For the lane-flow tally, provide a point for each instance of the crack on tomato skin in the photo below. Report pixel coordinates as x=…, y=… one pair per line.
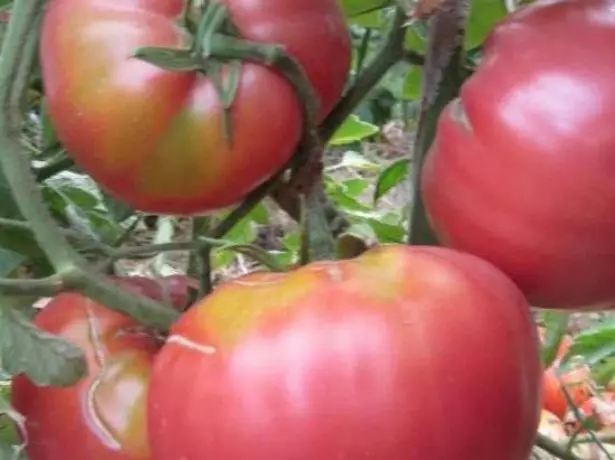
x=459, y=114
x=94, y=333
x=100, y=356
x=192, y=345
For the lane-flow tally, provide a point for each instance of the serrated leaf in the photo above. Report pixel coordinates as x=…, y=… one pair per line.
x=353, y=130
x=46, y=359
x=391, y=177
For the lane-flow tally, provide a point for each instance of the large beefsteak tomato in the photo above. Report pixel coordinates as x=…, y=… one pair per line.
x=404, y=352
x=156, y=138
x=102, y=416
x=522, y=169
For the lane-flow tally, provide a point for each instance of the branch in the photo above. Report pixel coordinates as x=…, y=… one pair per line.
x=18, y=55
x=44, y=287
x=443, y=74
x=67, y=232
x=391, y=53
x=554, y=448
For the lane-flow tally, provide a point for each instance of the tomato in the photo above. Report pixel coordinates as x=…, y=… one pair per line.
x=156, y=138
x=360, y=358
x=521, y=170
x=576, y=382
x=102, y=416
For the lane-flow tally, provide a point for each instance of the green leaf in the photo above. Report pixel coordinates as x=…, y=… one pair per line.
x=413, y=79
x=11, y=446
x=119, y=210
x=9, y=262
x=387, y=233
x=595, y=344
x=556, y=324
x=484, y=15
x=355, y=187
x=372, y=20
x=357, y=161
x=416, y=37
x=354, y=8
x=392, y=176
x=16, y=240
x=604, y=371
x=43, y=357
x=353, y=130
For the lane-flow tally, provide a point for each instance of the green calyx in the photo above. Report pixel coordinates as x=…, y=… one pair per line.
x=218, y=51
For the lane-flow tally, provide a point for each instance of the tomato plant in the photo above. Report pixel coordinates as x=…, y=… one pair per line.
x=172, y=289
x=156, y=138
x=362, y=358
x=521, y=170
x=102, y=416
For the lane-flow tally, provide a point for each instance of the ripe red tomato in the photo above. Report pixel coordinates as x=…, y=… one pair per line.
x=155, y=138
x=576, y=382
x=521, y=170
x=102, y=416
x=361, y=358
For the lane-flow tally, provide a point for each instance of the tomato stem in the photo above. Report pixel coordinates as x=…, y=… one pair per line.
x=443, y=74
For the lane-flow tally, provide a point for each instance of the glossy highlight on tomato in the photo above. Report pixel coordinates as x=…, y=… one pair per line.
x=156, y=138
x=521, y=170
x=102, y=416
x=378, y=357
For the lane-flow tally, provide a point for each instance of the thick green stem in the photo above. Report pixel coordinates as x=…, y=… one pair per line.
x=443, y=74
x=96, y=246
x=43, y=287
x=18, y=55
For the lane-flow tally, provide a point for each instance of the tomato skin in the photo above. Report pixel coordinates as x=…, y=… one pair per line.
x=360, y=358
x=102, y=416
x=521, y=170
x=155, y=138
